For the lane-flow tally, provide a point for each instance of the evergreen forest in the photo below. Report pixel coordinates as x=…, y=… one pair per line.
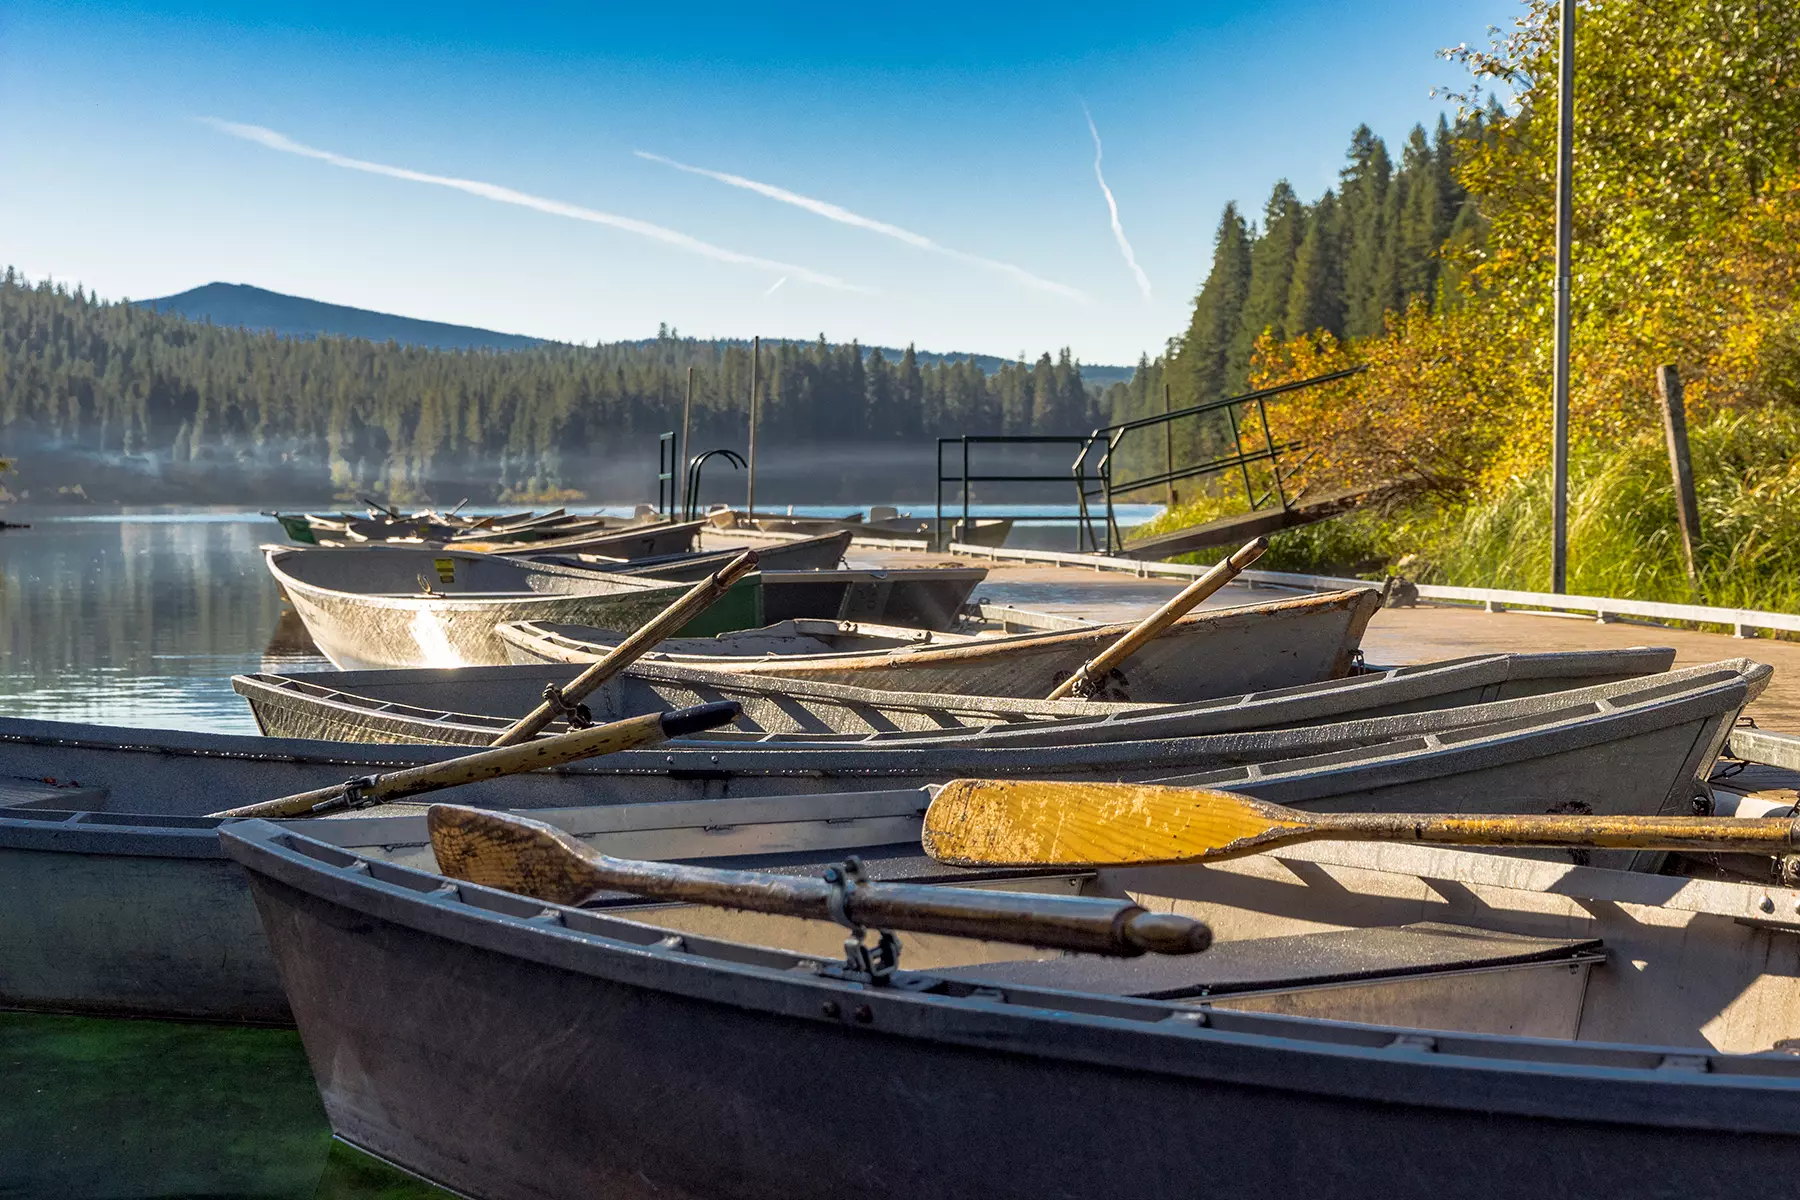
x=190, y=401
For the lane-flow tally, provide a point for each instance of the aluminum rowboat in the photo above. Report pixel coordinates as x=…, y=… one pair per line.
x=470, y=706
x=1210, y=653
x=387, y=606
x=429, y=1012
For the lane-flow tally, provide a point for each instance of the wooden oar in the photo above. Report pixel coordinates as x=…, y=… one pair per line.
x=986, y=822
x=490, y=764
x=696, y=600
x=515, y=854
x=1087, y=678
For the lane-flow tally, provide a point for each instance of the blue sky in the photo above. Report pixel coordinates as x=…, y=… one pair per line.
x=921, y=173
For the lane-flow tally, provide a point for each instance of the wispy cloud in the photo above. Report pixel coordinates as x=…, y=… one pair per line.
x=843, y=216
x=506, y=195
x=1143, y=280
x=775, y=285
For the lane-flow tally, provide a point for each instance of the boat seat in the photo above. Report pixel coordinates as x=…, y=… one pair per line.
x=1286, y=963
x=49, y=793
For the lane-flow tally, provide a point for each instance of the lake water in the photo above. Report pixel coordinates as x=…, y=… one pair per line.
x=140, y=617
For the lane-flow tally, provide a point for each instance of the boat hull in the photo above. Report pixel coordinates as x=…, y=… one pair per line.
x=384, y=626
x=649, y=541
x=135, y=920
x=577, y=1058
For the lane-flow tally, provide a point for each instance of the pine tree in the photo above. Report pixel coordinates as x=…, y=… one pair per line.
x=1316, y=295
x=916, y=415
x=882, y=415
x=1218, y=314
x=1272, y=259
x=1362, y=193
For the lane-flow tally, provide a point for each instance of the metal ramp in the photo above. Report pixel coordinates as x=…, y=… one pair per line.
x=1241, y=527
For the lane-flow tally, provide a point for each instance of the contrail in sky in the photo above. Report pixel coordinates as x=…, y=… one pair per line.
x=1143, y=281
x=775, y=285
x=506, y=195
x=833, y=212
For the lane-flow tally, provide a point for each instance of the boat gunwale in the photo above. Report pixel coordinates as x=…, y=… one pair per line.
x=618, y=586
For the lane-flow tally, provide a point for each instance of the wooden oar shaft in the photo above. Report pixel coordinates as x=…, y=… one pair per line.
x=1089, y=675
x=516, y=854
x=696, y=600
x=511, y=760
x=1728, y=835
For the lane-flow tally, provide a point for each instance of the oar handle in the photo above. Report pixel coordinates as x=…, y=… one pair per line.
x=1086, y=679
x=504, y=850
x=510, y=760
x=1697, y=835
x=692, y=603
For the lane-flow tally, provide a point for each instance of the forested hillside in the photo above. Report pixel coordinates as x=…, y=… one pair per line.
x=153, y=391
x=1686, y=251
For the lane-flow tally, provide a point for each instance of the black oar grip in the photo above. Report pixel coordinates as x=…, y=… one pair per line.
x=682, y=721
x=1167, y=933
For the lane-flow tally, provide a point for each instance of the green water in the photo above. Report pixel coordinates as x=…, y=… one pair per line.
x=130, y=1110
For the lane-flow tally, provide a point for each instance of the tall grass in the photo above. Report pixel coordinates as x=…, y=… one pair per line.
x=1624, y=540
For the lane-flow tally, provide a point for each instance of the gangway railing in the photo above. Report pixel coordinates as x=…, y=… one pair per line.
x=1096, y=466
x=1097, y=484
x=965, y=477
x=668, y=478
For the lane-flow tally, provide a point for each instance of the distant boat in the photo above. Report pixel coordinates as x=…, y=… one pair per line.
x=806, y=554
x=392, y=606
x=885, y=523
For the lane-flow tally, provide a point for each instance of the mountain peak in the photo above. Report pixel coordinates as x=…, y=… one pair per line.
x=295, y=316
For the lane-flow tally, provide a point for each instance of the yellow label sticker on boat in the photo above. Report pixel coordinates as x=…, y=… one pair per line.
x=446, y=569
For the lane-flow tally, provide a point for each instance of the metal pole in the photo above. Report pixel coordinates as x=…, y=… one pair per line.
x=755, y=382
x=687, y=423
x=1169, y=444
x=1565, y=220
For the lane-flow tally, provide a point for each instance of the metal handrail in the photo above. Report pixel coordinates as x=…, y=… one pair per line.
x=1093, y=477
x=965, y=478
x=668, y=458
x=691, y=501
x=1112, y=435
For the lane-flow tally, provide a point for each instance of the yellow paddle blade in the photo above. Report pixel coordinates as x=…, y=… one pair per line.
x=1027, y=822
x=511, y=853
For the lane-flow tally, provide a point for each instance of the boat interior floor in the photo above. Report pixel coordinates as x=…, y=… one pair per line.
x=1306, y=960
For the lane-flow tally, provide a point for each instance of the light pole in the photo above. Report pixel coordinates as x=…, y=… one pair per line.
x=1565, y=220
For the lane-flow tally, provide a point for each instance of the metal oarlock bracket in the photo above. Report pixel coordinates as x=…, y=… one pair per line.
x=1085, y=686
x=875, y=963
x=352, y=796
x=576, y=716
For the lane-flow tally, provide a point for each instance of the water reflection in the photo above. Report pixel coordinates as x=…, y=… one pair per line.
x=136, y=618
